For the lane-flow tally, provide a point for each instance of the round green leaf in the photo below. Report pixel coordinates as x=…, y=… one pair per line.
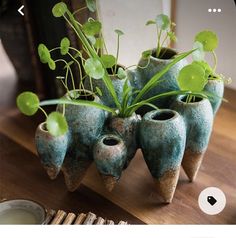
x=207, y=68
x=56, y=124
x=52, y=64
x=28, y=103
x=150, y=22
x=163, y=21
x=59, y=9
x=94, y=68
x=121, y=73
x=208, y=39
x=44, y=53
x=198, y=54
x=146, y=54
x=108, y=61
x=64, y=45
x=92, y=28
x=119, y=32
x=192, y=77
x=91, y=5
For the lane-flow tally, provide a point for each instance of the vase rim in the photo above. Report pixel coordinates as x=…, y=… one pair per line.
x=173, y=51
x=180, y=97
x=163, y=115
x=117, y=140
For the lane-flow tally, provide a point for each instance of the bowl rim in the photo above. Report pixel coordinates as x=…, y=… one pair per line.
x=44, y=209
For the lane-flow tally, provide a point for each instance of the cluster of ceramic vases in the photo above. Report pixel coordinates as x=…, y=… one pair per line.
x=177, y=134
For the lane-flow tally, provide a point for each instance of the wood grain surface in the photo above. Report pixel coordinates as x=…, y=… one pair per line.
x=134, y=198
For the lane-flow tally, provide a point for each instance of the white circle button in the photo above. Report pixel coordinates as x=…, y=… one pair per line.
x=212, y=201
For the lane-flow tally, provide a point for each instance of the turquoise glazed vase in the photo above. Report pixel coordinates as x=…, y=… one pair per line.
x=162, y=140
x=215, y=87
x=109, y=154
x=127, y=129
x=52, y=150
x=85, y=127
x=168, y=80
x=198, y=118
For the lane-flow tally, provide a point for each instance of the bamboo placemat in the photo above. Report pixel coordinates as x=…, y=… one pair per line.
x=63, y=218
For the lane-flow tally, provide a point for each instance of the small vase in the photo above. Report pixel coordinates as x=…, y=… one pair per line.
x=85, y=127
x=215, y=87
x=109, y=154
x=198, y=117
x=51, y=149
x=168, y=82
x=162, y=140
x=127, y=129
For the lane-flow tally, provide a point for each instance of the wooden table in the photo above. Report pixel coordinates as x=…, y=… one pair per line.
x=134, y=199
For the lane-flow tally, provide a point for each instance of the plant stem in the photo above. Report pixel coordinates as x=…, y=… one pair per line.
x=43, y=112
x=117, y=51
x=81, y=9
x=215, y=61
x=158, y=50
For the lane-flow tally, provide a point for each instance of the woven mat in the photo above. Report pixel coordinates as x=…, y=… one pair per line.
x=63, y=218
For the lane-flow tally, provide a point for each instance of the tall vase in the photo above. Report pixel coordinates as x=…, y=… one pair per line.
x=127, y=129
x=109, y=154
x=198, y=117
x=215, y=87
x=85, y=127
x=162, y=140
x=168, y=82
x=51, y=150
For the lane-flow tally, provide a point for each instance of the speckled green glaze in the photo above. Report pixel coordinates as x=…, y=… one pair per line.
x=110, y=154
x=52, y=150
x=162, y=140
x=169, y=82
x=127, y=129
x=198, y=118
x=216, y=87
x=106, y=97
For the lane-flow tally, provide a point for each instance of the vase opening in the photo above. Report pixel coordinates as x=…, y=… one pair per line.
x=86, y=96
x=43, y=127
x=111, y=71
x=110, y=141
x=193, y=99
x=212, y=77
x=165, y=54
x=162, y=116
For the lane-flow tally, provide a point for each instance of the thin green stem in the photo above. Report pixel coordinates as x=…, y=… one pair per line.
x=79, y=66
x=80, y=9
x=215, y=61
x=158, y=50
x=117, y=51
x=44, y=112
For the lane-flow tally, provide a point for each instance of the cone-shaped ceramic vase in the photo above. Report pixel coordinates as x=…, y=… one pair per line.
x=110, y=154
x=162, y=140
x=198, y=117
x=168, y=81
x=51, y=149
x=85, y=127
x=215, y=87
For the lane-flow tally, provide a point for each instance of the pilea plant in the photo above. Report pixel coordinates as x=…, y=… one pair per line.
x=207, y=41
x=96, y=67
x=165, y=33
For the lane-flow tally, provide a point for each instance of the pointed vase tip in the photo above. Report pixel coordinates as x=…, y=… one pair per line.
x=52, y=171
x=109, y=181
x=191, y=164
x=166, y=185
